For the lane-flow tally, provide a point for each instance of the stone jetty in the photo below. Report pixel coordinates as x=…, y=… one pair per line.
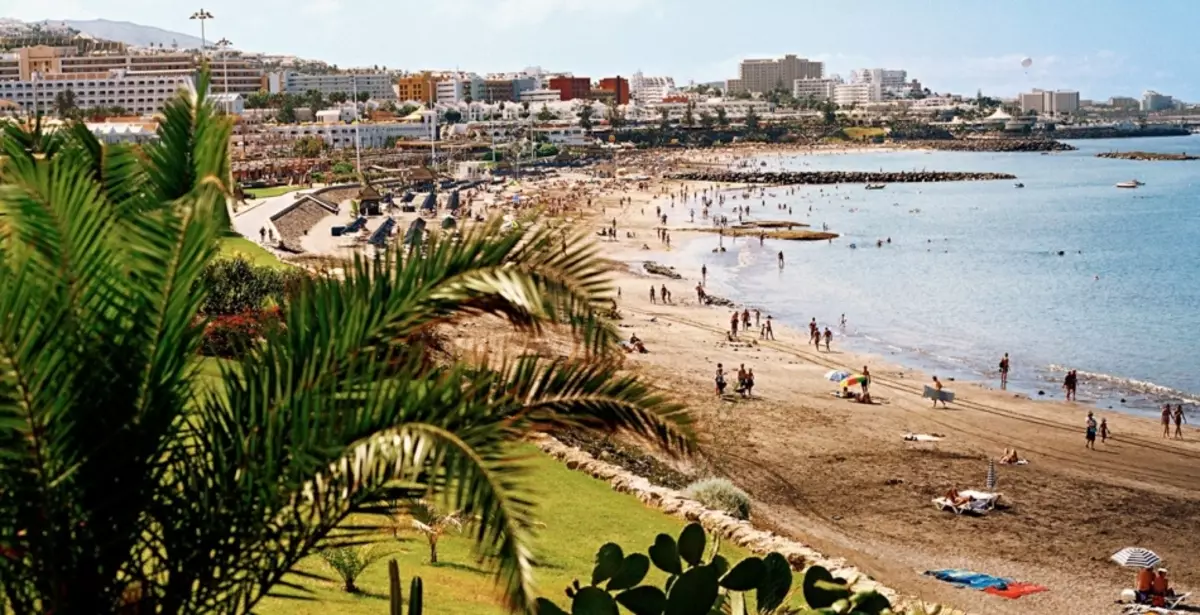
x=657, y=269
x=990, y=145
x=1146, y=156
x=785, y=178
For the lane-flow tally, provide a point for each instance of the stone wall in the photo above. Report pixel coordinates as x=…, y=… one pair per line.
x=295, y=222
x=739, y=532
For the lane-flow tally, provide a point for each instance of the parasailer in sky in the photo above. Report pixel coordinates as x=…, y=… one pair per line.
x=1026, y=63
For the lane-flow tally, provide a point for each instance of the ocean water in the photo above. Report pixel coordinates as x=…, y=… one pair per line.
x=973, y=268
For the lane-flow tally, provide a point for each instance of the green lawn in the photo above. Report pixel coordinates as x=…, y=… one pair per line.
x=263, y=193
x=857, y=134
x=580, y=514
x=236, y=245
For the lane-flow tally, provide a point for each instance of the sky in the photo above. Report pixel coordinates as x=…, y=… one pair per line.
x=1101, y=48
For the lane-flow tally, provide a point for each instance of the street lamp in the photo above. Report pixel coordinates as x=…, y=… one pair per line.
x=203, y=16
x=224, y=44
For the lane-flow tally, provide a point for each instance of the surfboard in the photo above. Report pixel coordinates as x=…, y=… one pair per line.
x=932, y=393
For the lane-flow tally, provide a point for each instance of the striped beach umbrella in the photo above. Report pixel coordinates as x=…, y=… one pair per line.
x=1136, y=557
x=991, y=475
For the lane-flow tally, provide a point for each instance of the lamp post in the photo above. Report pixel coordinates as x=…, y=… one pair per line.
x=224, y=44
x=203, y=16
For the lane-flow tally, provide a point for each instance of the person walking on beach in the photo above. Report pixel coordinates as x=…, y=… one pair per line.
x=746, y=319
x=757, y=318
x=843, y=321
x=652, y=300
x=1069, y=383
x=937, y=386
x=768, y=332
x=1103, y=431
x=1179, y=421
x=665, y=295
x=704, y=274
x=1166, y=420
x=1004, y=372
x=733, y=325
x=719, y=379
x=1091, y=432
x=781, y=259
x=828, y=338
x=866, y=383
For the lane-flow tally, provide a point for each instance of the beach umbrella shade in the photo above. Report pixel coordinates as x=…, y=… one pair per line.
x=837, y=375
x=856, y=379
x=1136, y=557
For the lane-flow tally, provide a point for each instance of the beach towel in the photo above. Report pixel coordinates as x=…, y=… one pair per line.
x=1016, y=590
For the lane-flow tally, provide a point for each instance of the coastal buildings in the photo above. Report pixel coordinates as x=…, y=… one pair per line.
x=545, y=95
x=419, y=87
x=461, y=87
x=136, y=93
x=817, y=89
x=618, y=86
x=1153, y=101
x=1047, y=102
x=765, y=75
x=887, y=79
x=645, y=89
x=846, y=94
x=1124, y=102
x=570, y=88
x=378, y=85
x=341, y=135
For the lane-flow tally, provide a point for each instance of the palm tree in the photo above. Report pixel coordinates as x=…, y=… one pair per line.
x=130, y=484
x=431, y=521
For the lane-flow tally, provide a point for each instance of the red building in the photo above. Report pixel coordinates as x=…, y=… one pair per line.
x=570, y=88
x=619, y=86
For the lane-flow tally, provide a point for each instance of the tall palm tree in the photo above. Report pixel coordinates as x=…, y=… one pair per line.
x=128, y=486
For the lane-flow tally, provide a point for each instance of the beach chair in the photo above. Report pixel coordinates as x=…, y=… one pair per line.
x=978, y=507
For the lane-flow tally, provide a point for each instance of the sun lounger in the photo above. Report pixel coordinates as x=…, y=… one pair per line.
x=978, y=507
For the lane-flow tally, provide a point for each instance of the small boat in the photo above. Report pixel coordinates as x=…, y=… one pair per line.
x=1019, y=185
x=876, y=186
x=1129, y=184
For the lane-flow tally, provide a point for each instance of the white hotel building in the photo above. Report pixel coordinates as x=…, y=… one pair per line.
x=339, y=135
x=379, y=85
x=819, y=89
x=645, y=89
x=846, y=94
x=137, y=93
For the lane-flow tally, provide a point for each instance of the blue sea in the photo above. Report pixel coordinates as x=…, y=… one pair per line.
x=974, y=269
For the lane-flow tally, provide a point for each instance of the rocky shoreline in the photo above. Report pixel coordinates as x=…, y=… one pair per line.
x=990, y=145
x=785, y=178
x=1145, y=156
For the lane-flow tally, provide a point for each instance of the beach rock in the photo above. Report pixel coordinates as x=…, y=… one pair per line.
x=992, y=144
x=657, y=269
x=717, y=301
x=1146, y=156
x=836, y=177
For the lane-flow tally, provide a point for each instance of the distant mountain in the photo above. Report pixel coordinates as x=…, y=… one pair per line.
x=129, y=33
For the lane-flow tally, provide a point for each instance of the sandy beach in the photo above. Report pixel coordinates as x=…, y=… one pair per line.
x=839, y=475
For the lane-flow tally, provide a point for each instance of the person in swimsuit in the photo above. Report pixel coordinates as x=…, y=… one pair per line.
x=1179, y=421
x=828, y=338
x=1104, y=431
x=1091, y=432
x=720, y=380
x=1166, y=420
x=1069, y=384
x=733, y=324
x=1004, y=372
x=937, y=385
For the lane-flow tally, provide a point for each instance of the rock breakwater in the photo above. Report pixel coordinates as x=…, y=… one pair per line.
x=990, y=145
x=1146, y=156
x=837, y=177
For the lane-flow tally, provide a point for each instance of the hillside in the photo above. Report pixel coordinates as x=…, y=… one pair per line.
x=129, y=33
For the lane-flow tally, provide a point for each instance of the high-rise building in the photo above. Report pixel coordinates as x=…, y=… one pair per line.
x=378, y=85
x=645, y=89
x=765, y=75
x=1153, y=101
x=817, y=89
x=1124, y=102
x=619, y=86
x=570, y=88
x=857, y=93
x=419, y=87
x=1044, y=101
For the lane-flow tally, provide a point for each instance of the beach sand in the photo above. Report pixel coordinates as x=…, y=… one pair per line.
x=838, y=475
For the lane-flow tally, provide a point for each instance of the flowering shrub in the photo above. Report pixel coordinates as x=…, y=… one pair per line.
x=229, y=337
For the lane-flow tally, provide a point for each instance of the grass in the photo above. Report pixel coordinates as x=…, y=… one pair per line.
x=236, y=245
x=858, y=134
x=265, y=193
x=580, y=514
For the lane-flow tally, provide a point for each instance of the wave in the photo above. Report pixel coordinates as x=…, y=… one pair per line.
x=1157, y=391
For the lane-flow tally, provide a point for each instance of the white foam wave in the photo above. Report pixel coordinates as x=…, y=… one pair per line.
x=1130, y=384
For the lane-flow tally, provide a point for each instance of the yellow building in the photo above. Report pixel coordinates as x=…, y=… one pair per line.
x=420, y=87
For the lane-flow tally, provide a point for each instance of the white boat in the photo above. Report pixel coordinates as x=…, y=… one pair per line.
x=1129, y=184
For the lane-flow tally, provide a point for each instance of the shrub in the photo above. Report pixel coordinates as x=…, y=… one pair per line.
x=720, y=494
x=349, y=563
x=237, y=286
x=229, y=337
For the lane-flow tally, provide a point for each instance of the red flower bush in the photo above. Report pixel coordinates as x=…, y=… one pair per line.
x=230, y=337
